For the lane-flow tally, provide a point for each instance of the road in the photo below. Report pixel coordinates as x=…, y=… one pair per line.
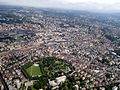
x=3, y=82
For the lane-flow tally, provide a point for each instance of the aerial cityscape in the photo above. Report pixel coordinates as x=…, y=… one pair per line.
x=58, y=49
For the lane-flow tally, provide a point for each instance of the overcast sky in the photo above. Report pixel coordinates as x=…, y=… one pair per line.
x=89, y=5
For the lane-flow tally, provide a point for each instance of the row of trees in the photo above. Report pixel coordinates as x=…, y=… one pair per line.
x=23, y=69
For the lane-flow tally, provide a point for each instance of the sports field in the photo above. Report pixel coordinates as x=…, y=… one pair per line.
x=34, y=71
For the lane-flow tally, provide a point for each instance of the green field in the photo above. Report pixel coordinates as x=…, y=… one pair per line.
x=49, y=68
x=34, y=71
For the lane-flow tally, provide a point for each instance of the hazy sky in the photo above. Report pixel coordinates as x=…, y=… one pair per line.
x=93, y=5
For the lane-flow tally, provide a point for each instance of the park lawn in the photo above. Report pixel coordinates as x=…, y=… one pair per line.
x=35, y=71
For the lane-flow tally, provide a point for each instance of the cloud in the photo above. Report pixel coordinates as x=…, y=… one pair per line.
x=89, y=5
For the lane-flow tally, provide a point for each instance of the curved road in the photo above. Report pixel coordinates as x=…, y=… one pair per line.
x=3, y=82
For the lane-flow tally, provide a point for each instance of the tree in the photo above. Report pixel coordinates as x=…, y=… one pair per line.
x=38, y=85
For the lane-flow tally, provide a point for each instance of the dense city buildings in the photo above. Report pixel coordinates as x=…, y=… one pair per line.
x=85, y=48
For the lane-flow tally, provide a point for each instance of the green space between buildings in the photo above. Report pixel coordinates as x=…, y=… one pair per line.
x=34, y=71
x=45, y=69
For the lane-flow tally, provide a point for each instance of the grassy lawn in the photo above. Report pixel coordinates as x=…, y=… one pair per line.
x=49, y=68
x=35, y=70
